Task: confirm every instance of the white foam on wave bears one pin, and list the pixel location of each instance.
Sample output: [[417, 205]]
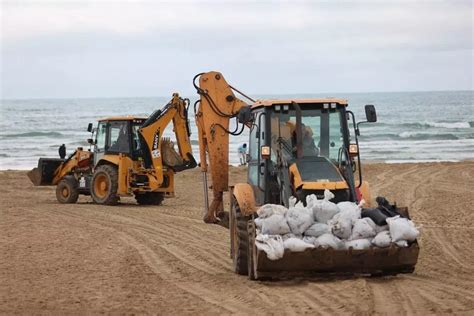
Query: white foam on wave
[[448, 124], [407, 134]]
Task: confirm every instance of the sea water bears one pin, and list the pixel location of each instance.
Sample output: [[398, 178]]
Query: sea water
[[411, 126]]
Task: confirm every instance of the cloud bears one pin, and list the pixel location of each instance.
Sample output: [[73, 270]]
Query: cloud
[[93, 47]]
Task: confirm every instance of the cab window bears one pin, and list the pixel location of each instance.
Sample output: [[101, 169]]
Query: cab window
[[135, 138], [119, 137], [101, 135]]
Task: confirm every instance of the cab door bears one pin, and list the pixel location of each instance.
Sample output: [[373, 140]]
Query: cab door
[[100, 142], [257, 165]]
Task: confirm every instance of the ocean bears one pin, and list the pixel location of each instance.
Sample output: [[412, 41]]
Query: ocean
[[411, 127]]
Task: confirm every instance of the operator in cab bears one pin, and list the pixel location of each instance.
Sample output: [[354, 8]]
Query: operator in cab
[[309, 147]]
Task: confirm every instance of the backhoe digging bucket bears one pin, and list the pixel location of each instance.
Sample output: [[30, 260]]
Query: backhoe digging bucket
[[44, 173], [374, 261]]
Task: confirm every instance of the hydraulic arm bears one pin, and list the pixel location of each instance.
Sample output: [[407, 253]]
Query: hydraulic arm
[[217, 106], [152, 132]]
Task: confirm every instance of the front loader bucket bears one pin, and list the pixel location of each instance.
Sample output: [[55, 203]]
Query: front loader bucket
[[44, 173], [374, 261]]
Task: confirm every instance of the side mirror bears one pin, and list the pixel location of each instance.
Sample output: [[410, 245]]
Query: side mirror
[[245, 115], [89, 127], [370, 113], [90, 141]]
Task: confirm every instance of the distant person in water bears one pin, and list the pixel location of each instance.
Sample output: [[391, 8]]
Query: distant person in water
[[242, 150], [62, 151]]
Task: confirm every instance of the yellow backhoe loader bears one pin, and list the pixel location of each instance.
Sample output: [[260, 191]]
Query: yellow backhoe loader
[[130, 157], [296, 147]]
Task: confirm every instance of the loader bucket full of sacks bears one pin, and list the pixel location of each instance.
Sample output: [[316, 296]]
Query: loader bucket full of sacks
[[327, 237]]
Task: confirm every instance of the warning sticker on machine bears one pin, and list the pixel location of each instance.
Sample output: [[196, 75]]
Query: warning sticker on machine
[[155, 153]]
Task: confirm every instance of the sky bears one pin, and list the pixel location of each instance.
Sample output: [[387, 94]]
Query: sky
[[150, 48]]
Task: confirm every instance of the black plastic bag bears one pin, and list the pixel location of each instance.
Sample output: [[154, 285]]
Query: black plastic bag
[[383, 211], [376, 215]]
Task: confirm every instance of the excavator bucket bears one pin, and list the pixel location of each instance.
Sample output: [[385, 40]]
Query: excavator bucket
[[374, 261], [171, 157], [44, 173]]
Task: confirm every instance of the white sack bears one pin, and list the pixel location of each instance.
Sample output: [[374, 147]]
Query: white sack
[[299, 219], [402, 229], [341, 223], [347, 206], [311, 200], [329, 241], [275, 225], [382, 239], [309, 239], [353, 213], [292, 201], [358, 244], [291, 235], [341, 227], [401, 243], [258, 222], [317, 229], [296, 245], [272, 245], [363, 228], [379, 229], [268, 210], [324, 210]]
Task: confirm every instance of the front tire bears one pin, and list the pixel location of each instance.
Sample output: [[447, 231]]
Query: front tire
[[104, 185], [239, 239], [67, 191], [150, 198]]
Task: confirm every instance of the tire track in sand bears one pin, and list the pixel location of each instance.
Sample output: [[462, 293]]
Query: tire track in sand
[[153, 261], [233, 302], [161, 232], [441, 239]]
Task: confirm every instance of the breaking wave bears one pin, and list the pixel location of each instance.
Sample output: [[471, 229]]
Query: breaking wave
[[34, 134], [449, 124], [423, 125], [417, 136]]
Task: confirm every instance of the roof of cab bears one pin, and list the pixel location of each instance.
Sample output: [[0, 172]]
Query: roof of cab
[[122, 118], [270, 102]]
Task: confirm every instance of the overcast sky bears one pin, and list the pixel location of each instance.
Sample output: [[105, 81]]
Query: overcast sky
[[136, 48]]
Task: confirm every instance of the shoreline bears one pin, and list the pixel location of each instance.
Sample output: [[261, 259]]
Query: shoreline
[[364, 162]]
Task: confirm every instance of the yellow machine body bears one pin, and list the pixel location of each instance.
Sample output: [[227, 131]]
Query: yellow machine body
[[144, 166], [283, 177]]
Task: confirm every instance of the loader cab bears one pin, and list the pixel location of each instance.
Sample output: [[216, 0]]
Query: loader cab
[[300, 147], [118, 135]]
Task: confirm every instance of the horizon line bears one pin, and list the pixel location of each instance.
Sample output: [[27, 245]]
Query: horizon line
[[251, 94]]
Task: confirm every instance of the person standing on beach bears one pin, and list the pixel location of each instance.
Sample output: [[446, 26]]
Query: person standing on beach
[[62, 151], [242, 150]]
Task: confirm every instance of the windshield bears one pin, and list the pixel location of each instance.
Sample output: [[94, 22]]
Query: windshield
[[321, 133]]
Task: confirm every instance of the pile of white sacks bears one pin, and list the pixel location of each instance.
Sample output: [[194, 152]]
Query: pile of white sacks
[[325, 224]]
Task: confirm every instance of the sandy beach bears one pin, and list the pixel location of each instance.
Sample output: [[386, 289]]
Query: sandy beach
[[86, 258]]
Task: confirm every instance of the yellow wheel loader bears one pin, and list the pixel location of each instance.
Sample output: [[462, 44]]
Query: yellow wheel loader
[[297, 147], [130, 157]]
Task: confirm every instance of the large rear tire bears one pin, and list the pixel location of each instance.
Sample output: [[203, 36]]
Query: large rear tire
[[67, 190], [150, 198], [104, 185], [239, 239]]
